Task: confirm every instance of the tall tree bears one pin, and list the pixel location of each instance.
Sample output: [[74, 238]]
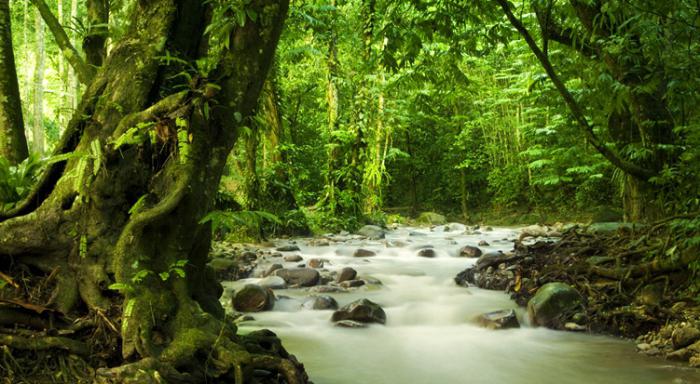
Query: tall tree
[[13, 143], [38, 136], [127, 211]]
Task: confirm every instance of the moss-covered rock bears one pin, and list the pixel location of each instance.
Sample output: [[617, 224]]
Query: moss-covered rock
[[431, 218], [253, 298], [554, 305]]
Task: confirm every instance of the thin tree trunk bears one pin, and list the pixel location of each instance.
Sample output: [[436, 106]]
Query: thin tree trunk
[[13, 143], [94, 43], [74, 83], [38, 111]]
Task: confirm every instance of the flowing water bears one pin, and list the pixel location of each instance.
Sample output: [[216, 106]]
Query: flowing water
[[430, 335]]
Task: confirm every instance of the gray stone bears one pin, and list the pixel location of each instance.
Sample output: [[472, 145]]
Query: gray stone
[[316, 263], [326, 289], [362, 310], [470, 251], [271, 269], [352, 283], [288, 248], [490, 259], [554, 304], [372, 232], [302, 277], [253, 298], [483, 243], [346, 274], [273, 282], [350, 324], [361, 252], [320, 303], [293, 258], [503, 319], [427, 252]]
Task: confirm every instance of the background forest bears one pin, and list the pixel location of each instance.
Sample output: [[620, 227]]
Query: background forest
[[377, 107]]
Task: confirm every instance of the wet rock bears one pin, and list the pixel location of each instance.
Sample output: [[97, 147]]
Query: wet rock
[[319, 243], [685, 336], [470, 251], [273, 282], [362, 310], [483, 243], [248, 256], [683, 354], [293, 258], [316, 263], [276, 254], [253, 298], [491, 259], [427, 252], [227, 269], [352, 283], [320, 303], [372, 232], [271, 269], [220, 265], [302, 277], [454, 227], [394, 244], [574, 327], [371, 281], [288, 248], [431, 218], [554, 304], [350, 324], [416, 234], [346, 274], [361, 252], [327, 289], [503, 319]]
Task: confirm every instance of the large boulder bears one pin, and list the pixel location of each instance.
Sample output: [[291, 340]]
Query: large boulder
[[503, 319], [363, 311], [302, 277], [431, 218], [273, 282], [491, 259], [372, 232], [554, 305], [684, 336], [469, 251], [320, 303], [253, 298]]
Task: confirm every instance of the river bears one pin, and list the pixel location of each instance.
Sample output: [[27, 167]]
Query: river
[[430, 335]]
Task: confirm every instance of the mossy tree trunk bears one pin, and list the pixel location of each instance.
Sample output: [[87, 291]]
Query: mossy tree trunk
[[131, 215], [13, 143]]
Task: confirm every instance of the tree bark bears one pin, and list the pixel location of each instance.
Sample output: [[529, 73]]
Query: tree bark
[[38, 102], [130, 214], [95, 41], [13, 143]]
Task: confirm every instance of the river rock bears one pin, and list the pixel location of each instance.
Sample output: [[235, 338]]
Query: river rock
[[503, 319], [293, 258], [273, 282], [427, 252], [456, 227], [352, 283], [346, 274], [431, 218], [684, 336], [303, 277], [320, 303], [554, 304], [490, 259], [253, 298], [288, 248], [372, 232], [361, 310], [470, 251], [350, 324], [271, 269], [361, 252], [327, 289], [316, 263], [483, 243]]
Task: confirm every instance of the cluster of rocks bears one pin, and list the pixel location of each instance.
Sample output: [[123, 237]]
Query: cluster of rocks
[[675, 341]]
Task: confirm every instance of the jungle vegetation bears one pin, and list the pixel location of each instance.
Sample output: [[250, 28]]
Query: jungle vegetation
[[127, 126]]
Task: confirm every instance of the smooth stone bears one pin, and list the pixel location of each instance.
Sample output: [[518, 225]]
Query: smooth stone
[[346, 274], [431, 218], [470, 251], [293, 258], [361, 252], [320, 303], [326, 289], [288, 248], [574, 327], [273, 282], [352, 283], [490, 259], [316, 263], [303, 277], [350, 324], [372, 232], [554, 304], [276, 254], [221, 264], [483, 243], [427, 252], [271, 269], [503, 319], [363, 310], [253, 298]]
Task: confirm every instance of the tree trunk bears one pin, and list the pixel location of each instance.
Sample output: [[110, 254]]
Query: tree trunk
[[94, 43], [13, 143], [130, 214], [38, 110]]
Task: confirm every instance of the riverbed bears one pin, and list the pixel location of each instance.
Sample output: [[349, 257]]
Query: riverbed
[[430, 335]]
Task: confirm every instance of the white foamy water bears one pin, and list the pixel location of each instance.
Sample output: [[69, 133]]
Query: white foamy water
[[430, 335]]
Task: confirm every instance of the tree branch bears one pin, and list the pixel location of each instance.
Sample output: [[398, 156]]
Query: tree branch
[[84, 71], [576, 110]]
